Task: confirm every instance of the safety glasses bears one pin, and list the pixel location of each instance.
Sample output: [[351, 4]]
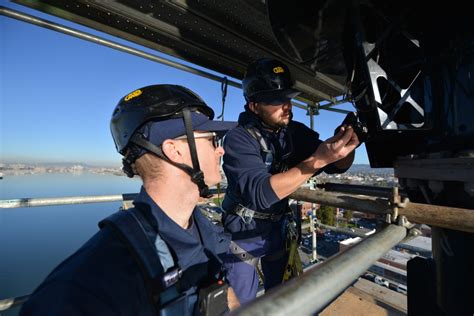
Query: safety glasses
[[210, 135]]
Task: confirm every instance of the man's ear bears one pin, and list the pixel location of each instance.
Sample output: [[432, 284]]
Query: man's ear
[[173, 150], [253, 107]]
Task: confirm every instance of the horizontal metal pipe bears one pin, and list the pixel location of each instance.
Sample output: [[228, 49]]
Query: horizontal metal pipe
[[336, 110], [104, 42], [348, 201], [32, 202], [357, 189], [440, 216], [435, 215], [312, 291], [345, 231]]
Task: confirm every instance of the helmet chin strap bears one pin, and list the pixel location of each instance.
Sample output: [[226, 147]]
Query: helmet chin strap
[[197, 176]]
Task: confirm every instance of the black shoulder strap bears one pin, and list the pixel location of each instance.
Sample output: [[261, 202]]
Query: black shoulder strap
[[277, 163], [255, 133], [267, 153], [140, 237]]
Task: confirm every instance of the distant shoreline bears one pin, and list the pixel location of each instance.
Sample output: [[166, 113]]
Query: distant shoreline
[[25, 169]]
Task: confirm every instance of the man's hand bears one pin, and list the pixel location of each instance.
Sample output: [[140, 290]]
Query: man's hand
[[233, 301], [335, 148]]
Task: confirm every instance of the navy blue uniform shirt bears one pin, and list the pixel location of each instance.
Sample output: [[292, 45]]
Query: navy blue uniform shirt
[[248, 176], [102, 278]]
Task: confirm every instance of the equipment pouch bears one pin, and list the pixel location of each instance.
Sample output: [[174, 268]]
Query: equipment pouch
[[213, 299]]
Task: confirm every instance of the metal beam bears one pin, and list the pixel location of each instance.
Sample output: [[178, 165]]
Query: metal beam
[[335, 110], [435, 215], [312, 291], [107, 43], [357, 189], [130, 50], [345, 231]]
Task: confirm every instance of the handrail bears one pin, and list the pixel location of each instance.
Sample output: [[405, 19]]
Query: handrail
[[448, 217], [435, 215], [313, 290]]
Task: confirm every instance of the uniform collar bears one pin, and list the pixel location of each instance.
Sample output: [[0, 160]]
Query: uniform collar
[[189, 250]]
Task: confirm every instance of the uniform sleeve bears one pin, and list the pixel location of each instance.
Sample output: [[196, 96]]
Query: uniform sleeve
[[246, 173], [65, 299]]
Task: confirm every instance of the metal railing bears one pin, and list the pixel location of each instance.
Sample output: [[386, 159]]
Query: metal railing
[[434, 215], [320, 285], [317, 287]]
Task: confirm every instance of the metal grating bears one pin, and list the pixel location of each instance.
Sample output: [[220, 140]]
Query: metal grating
[[223, 36]]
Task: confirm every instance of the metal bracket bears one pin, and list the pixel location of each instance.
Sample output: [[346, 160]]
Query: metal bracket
[[413, 230], [396, 202]]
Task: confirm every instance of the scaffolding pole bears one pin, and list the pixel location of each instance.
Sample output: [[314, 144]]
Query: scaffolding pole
[[316, 288], [434, 215]]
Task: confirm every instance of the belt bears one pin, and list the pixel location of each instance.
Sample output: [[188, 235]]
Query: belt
[[247, 214], [243, 255]]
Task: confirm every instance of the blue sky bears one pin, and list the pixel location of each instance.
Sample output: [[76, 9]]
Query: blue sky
[[58, 92]]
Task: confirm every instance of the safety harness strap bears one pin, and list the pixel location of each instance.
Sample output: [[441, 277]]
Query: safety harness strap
[[276, 162], [242, 254], [142, 239], [247, 214]]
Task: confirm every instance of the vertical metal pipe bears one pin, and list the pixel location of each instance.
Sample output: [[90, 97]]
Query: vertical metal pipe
[[319, 286], [313, 236], [311, 117]]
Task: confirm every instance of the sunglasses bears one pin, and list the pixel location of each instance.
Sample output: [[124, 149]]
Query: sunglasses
[[210, 135]]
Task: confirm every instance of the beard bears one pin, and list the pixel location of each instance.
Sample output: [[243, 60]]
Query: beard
[[276, 125]]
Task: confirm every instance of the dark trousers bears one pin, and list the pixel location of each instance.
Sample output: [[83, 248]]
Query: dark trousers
[[243, 277]]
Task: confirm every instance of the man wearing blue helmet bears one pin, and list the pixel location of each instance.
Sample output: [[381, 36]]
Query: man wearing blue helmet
[[162, 256], [269, 156]]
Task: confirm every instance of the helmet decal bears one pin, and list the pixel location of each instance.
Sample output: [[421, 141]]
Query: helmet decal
[[132, 95], [155, 102], [266, 76], [278, 70]]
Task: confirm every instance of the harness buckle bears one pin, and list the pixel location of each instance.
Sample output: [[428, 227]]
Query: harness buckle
[[172, 277], [246, 214]]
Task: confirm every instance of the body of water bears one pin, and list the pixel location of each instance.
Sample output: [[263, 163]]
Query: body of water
[[34, 240]]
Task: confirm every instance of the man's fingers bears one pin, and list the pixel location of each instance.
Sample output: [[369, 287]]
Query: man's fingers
[[337, 136], [345, 138], [354, 140]]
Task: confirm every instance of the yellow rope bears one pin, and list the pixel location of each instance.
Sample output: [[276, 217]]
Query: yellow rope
[[294, 267]]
